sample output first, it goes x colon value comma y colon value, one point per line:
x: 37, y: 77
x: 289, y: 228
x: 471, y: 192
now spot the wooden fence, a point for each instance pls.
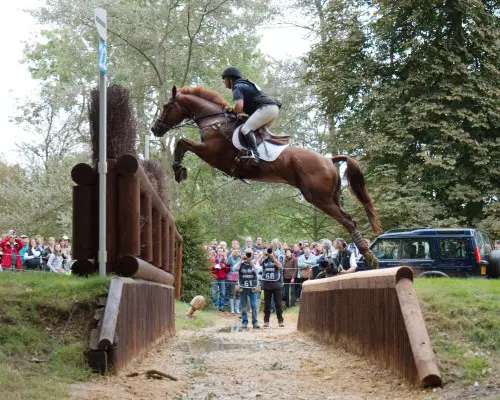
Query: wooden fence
x: 141, y: 238
x: 375, y: 314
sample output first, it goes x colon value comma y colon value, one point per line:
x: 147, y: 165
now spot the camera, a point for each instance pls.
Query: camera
x: 269, y: 250
x: 330, y: 266
x: 249, y: 255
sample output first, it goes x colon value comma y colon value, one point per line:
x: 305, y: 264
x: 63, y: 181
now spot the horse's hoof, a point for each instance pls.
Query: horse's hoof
x: 371, y: 260
x: 180, y: 174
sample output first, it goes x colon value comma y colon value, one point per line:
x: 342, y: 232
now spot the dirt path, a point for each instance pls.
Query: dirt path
x: 222, y: 362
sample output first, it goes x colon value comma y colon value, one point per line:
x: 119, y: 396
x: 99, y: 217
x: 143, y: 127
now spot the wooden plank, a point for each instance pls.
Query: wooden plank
x: 111, y: 314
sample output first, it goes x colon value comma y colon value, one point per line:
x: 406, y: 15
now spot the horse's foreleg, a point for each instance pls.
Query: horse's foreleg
x: 181, y: 148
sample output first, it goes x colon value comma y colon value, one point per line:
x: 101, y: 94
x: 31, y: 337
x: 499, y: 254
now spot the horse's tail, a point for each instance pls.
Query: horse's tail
x: 357, y: 185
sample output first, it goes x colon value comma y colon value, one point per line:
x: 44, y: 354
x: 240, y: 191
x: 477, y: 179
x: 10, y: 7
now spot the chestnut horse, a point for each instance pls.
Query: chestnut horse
x: 315, y: 175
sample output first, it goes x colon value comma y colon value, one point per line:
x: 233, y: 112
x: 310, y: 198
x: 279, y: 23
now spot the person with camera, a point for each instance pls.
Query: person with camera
x: 33, y: 256
x: 11, y: 246
x: 271, y: 284
x: 248, y: 284
x: 290, y: 269
x: 345, y: 257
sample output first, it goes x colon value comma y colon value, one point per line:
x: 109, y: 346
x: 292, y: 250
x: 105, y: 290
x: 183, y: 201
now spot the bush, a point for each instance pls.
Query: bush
x: 196, y: 275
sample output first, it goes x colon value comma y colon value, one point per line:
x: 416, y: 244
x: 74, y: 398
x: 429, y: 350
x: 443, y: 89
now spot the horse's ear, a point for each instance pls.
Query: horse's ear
x: 174, y: 92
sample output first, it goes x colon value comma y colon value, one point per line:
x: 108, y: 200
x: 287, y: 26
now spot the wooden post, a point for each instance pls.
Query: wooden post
x: 136, y: 268
x: 84, y: 225
x: 165, y: 223
x: 147, y: 227
x: 157, y: 251
x: 107, y: 336
x: 178, y: 271
x: 171, y: 247
x: 129, y: 215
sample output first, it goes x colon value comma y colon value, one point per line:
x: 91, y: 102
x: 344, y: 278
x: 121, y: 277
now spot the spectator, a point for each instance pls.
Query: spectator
x: 33, y: 255
x: 235, y: 244
x: 39, y: 243
x: 271, y: 284
x: 345, y: 257
x: 305, y: 262
x: 497, y: 244
x: 248, y: 282
x: 22, y: 253
x: 219, y: 272
x: 55, y: 262
x: 249, y: 243
x: 232, y: 280
x: 11, y: 246
x: 49, y: 249
x: 223, y: 245
x: 290, y: 269
x: 259, y: 245
x: 66, y: 252
x: 297, y: 251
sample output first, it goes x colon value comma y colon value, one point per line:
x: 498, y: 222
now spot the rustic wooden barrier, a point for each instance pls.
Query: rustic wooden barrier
x: 130, y: 324
x: 374, y: 314
x: 138, y: 224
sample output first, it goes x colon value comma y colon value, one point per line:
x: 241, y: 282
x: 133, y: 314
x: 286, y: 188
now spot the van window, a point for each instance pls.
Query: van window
x: 483, y: 243
x: 386, y: 249
x: 416, y: 249
x: 453, y: 248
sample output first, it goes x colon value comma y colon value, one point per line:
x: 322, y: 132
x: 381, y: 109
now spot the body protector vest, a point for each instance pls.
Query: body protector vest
x: 270, y: 272
x: 247, y: 276
x: 253, y: 97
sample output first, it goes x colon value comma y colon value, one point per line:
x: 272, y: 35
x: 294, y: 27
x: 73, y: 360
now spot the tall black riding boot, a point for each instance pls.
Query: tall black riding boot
x: 252, y: 145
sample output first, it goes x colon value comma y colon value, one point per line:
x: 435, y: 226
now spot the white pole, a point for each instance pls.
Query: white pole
x: 103, y: 169
x: 100, y: 19
x: 146, y: 147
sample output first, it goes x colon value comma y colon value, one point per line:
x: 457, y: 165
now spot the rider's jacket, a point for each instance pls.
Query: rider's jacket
x: 253, y: 98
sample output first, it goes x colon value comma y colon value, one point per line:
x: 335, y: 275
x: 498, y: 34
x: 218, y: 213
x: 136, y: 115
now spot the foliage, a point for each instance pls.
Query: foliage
x: 38, y: 201
x: 196, y: 274
x: 414, y: 90
x: 44, y: 317
x: 462, y: 318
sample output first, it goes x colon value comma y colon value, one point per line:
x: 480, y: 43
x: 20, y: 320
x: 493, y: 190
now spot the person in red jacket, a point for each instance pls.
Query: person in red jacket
x: 11, y: 245
x: 219, y: 271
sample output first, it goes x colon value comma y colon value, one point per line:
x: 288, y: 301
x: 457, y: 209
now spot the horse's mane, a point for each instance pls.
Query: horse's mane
x: 204, y: 93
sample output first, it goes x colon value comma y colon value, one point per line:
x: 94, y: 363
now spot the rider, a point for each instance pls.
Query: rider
x: 249, y: 98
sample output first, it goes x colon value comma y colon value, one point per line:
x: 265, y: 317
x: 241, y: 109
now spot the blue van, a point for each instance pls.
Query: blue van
x: 436, y: 251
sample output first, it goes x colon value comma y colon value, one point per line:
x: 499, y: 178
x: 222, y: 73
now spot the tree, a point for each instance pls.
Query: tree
x: 414, y: 90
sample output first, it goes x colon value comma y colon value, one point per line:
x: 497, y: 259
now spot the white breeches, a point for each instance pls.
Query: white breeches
x: 264, y: 116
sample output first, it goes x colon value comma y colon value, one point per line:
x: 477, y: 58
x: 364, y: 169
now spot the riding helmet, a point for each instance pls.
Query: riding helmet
x: 232, y: 72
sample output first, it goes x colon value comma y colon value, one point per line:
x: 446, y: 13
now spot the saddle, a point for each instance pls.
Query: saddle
x: 262, y: 134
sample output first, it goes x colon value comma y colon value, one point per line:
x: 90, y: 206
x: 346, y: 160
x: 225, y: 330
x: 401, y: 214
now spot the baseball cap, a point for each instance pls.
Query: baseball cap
x: 65, y: 237
x: 23, y: 237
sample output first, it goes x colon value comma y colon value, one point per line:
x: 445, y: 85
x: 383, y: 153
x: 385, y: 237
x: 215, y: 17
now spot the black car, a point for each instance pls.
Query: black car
x: 437, y: 251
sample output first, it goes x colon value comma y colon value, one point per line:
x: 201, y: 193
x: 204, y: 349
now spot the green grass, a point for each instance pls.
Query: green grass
x: 463, y: 319
x: 205, y: 317
x: 34, y: 313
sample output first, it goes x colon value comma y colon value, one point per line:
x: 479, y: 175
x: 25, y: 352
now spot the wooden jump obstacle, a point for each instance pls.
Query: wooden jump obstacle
x: 141, y: 238
x: 374, y: 314
x: 142, y: 243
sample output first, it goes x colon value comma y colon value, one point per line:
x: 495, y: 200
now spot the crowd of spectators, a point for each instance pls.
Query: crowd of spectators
x: 293, y: 263
x: 20, y: 253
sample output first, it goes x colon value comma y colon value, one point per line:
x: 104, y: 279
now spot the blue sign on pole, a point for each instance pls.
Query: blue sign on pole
x: 103, y: 57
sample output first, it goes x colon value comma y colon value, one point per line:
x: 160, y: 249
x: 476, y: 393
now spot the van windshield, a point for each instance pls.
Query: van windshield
x: 386, y: 249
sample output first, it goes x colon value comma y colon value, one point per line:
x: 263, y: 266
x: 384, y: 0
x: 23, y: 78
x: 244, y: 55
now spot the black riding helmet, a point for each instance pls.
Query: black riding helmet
x: 232, y: 72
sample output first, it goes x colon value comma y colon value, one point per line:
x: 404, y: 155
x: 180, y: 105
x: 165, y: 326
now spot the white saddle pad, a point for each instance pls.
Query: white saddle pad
x: 267, y: 151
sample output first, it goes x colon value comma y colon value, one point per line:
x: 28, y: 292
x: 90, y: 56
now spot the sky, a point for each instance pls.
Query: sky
x: 16, y: 83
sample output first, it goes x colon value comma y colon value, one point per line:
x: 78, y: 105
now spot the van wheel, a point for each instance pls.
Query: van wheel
x: 430, y: 274
x: 493, y: 269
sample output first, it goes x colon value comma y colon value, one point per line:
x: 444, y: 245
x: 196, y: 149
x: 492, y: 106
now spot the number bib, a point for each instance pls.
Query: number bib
x: 270, y: 273
x: 247, y: 277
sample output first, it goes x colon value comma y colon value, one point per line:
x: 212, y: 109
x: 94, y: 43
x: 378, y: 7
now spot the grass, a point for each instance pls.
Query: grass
x: 463, y: 319
x: 40, y: 351
x: 203, y: 318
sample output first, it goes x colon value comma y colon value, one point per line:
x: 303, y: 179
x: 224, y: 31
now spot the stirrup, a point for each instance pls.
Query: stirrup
x: 249, y: 154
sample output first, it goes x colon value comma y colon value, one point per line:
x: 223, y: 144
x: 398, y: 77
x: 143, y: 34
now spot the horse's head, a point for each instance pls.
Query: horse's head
x: 171, y: 115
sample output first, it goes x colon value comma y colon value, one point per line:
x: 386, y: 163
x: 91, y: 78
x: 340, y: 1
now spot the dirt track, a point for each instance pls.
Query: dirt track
x: 221, y: 362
